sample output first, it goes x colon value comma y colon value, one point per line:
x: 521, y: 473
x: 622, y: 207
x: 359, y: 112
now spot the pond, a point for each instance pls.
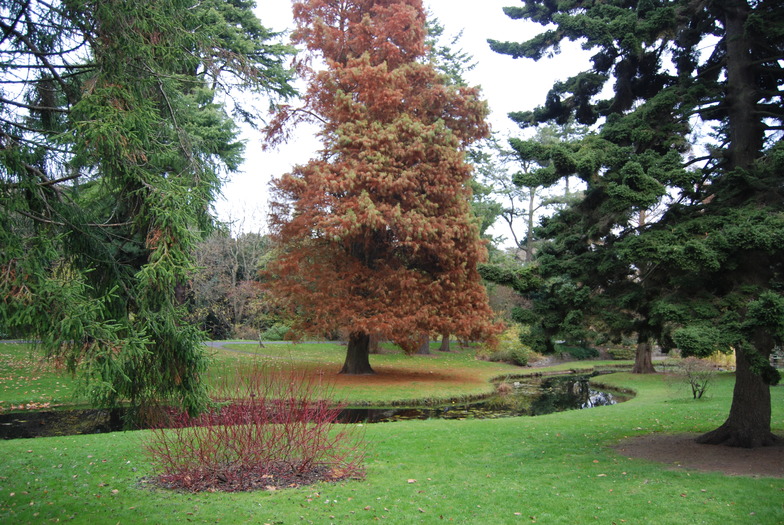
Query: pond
x: 528, y: 396
x: 523, y: 396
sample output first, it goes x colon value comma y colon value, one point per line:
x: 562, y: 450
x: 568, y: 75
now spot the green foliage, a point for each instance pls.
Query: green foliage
x: 520, y: 278
x: 276, y: 332
x: 107, y: 177
x: 766, y: 313
x: 672, y: 246
x: 451, y: 61
x: 510, y: 348
x: 700, y: 341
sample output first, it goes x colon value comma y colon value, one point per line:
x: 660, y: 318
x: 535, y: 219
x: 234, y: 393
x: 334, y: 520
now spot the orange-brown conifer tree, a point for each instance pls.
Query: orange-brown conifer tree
x: 376, y: 235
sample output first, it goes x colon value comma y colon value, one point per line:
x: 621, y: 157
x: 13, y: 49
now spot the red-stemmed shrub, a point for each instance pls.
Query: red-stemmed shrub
x: 271, y: 429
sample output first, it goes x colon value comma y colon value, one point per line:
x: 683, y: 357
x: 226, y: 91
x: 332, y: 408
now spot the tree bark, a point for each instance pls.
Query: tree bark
x: 529, y: 239
x: 424, y: 346
x: 643, y: 364
x: 444, y: 342
x: 373, y: 345
x: 746, y: 132
x: 748, y: 424
x: 357, y: 355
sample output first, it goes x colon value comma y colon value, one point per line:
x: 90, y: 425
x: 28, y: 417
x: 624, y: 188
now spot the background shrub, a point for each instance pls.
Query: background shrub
x: 722, y: 360
x: 510, y: 349
x: 697, y: 373
x: 276, y: 332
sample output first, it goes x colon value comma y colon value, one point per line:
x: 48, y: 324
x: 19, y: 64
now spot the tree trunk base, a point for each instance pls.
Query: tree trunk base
x: 730, y: 436
x: 358, y: 355
x: 748, y: 424
x: 444, y: 343
x: 424, y: 345
x: 643, y: 362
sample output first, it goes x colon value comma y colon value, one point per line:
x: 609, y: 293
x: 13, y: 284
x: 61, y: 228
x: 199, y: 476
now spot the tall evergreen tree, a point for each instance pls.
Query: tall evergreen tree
x: 705, y: 272
x: 113, y: 141
x: 376, y: 235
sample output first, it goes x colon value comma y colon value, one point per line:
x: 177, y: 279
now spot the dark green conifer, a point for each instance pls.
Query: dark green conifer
x: 678, y: 238
x: 113, y: 138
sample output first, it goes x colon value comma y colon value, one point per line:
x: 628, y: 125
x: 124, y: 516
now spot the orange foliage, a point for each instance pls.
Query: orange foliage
x: 377, y: 235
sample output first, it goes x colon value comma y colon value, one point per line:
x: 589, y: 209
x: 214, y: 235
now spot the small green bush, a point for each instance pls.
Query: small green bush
x: 276, y: 332
x: 509, y: 350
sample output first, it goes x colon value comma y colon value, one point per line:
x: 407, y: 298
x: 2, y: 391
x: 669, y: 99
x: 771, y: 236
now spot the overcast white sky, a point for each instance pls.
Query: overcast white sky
x: 507, y: 84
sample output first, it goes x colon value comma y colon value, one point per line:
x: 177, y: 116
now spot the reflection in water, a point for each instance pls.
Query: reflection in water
x: 523, y: 397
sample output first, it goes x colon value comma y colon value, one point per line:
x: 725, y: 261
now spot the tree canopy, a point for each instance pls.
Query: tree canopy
x: 682, y: 221
x: 376, y: 235
x: 113, y: 138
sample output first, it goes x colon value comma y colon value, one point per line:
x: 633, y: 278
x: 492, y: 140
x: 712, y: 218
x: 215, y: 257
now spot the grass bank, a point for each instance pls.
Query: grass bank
x: 555, y: 469
x: 400, y: 380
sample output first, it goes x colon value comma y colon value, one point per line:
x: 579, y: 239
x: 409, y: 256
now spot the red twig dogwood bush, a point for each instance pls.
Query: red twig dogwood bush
x: 272, y: 429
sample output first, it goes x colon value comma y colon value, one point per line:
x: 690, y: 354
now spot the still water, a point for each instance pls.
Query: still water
x: 529, y: 396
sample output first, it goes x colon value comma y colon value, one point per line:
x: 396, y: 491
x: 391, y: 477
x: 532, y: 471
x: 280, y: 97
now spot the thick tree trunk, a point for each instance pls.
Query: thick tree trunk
x: 748, y: 424
x: 444, y: 342
x: 357, y: 355
x: 643, y: 363
x: 746, y: 132
x: 424, y: 345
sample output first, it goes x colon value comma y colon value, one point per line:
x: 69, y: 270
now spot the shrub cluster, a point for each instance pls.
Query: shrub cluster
x: 274, y: 430
x: 276, y: 332
x: 509, y: 349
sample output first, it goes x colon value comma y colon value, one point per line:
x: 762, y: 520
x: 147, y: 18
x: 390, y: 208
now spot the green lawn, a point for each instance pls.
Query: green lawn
x: 26, y: 380
x: 399, y: 379
x: 557, y: 468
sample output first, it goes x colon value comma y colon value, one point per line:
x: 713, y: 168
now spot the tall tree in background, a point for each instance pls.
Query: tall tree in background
x: 587, y: 288
x: 225, y: 295
x: 541, y: 159
x: 376, y: 236
x: 112, y: 141
x: 707, y: 270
